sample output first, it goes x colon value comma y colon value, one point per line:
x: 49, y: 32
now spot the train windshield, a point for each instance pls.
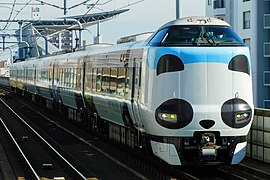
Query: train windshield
x: 196, y: 36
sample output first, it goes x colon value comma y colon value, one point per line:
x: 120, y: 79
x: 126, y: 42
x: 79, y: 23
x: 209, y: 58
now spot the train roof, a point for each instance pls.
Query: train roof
x: 196, y: 20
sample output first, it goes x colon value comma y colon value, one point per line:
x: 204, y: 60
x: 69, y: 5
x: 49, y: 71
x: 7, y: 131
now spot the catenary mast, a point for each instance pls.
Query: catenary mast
x: 177, y: 9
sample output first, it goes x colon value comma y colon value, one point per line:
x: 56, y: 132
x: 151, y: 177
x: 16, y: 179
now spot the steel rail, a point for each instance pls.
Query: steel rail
x: 52, y: 148
x: 19, y: 148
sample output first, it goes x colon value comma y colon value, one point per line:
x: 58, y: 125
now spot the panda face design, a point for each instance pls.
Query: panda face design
x: 202, y: 88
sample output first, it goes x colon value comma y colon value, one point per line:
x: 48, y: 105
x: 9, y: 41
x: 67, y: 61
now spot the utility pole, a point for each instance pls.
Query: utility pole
x: 177, y: 9
x: 65, y: 7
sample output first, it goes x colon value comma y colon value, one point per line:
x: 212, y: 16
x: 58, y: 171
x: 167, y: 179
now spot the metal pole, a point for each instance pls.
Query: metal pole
x: 4, y: 43
x: 178, y: 9
x: 11, y: 55
x: 80, y: 38
x: 46, y: 44
x: 65, y: 7
x: 20, y: 27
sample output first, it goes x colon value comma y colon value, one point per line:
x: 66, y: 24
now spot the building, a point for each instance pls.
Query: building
x: 6, y: 57
x: 187, y: 10
x: 251, y: 20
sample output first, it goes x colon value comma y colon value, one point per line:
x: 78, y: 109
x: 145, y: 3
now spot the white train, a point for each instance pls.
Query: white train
x: 185, y: 93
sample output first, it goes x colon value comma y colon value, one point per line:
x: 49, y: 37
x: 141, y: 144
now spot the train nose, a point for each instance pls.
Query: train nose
x: 207, y: 123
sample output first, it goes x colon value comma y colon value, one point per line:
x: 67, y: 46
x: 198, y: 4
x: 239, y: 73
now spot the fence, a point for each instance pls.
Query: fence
x: 259, y: 136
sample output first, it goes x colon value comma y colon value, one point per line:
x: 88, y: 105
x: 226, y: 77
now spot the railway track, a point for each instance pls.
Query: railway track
x: 40, y: 158
x: 139, y: 166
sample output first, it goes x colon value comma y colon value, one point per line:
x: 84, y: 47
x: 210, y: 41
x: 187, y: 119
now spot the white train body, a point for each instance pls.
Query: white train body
x: 185, y: 93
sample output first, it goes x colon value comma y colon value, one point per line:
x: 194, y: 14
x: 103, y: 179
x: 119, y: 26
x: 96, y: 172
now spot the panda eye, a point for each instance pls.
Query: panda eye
x: 169, y: 63
x: 239, y: 63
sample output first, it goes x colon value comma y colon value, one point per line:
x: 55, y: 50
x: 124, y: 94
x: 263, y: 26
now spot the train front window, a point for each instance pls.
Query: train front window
x: 196, y: 36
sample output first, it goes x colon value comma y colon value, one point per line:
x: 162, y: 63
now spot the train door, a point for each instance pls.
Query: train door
x: 57, y: 78
x: 135, y: 90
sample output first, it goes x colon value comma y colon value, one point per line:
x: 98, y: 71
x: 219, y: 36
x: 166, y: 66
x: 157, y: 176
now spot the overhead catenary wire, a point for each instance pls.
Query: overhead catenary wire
x: 20, y: 11
x: 10, y: 14
x: 131, y: 4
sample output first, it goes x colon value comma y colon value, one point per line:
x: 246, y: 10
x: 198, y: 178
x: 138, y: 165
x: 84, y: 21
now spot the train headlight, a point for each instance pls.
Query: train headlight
x: 242, y: 117
x: 174, y: 114
x: 168, y: 117
x: 236, y: 113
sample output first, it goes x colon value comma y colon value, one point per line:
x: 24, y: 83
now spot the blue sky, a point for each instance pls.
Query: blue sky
x: 145, y: 16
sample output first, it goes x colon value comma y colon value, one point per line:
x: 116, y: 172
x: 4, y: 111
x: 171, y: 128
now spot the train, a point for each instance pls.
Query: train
x: 183, y: 95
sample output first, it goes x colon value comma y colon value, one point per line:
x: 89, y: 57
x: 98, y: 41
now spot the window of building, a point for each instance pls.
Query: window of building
x: 247, y: 42
x: 266, y: 49
x: 209, y: 2
x: 245, y: 0
x: 267, y: 21
x: 246, y: 20
x: 219, y: 4
x: 266, y: 104
x: 266, y: 78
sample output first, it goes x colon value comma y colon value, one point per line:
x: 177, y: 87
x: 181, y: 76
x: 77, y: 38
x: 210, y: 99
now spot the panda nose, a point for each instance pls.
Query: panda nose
x: 207, y: 123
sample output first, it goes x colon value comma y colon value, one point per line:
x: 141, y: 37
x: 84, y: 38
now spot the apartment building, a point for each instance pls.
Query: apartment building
x: 251, y: 20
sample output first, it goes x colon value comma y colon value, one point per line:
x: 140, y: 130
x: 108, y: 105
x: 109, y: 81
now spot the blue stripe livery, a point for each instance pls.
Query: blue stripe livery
x: 196, y: 54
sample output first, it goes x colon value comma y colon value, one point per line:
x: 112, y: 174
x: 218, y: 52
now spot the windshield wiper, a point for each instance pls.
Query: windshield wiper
x: 205, y: 38
x: 209, y: 38
x: 224, y: 42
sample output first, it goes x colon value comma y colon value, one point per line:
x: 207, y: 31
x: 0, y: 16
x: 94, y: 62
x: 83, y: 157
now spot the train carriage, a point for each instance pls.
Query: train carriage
x: 67, y: 80
x: 185, y: 93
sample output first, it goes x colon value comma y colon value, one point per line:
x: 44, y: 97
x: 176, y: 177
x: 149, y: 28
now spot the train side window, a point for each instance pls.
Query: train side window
x: 88, y: 77
x: 65, y: 77
x: 78, y: 78
x: 73, y: 78
x: 69, y: 78
x: 94, y: 82
x: 105, y: 79
x: 72, y: 74
x: 99, y: 79
x: 29, y: 74
x: 127, y: 81
x: 113, y: 80
x: 60, y: 77
x: 121, y: 81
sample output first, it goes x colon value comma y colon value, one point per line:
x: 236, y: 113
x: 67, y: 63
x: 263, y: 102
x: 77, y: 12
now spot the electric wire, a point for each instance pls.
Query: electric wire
x: 10, y: 14
x: 20, y: 11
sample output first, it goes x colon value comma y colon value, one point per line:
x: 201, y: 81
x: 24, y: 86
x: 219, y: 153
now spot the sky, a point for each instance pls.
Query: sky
x: 143, y: 15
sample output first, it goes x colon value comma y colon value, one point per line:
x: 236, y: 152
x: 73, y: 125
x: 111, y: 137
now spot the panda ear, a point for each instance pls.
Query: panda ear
x: 239, y: 63
x: 169, y: 63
